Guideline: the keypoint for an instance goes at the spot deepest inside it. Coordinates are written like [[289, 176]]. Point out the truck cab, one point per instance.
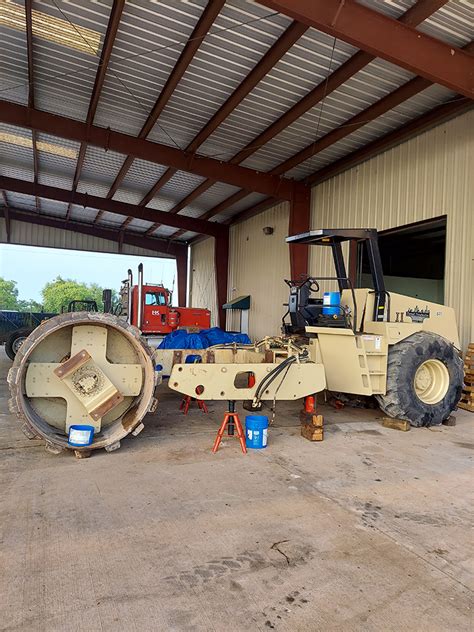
[[156, 305], [149, 308]]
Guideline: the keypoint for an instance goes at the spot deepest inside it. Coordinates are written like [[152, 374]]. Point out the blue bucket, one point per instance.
[[80, 436], [331, 303], [256, 430]]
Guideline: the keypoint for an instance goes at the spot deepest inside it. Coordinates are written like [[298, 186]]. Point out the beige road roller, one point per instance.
[[86, 369], [361, 341]]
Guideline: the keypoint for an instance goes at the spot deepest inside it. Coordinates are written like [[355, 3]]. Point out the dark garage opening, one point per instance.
[[413, 259]]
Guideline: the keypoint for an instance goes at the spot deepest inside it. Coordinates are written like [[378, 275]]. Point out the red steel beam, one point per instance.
[[384, 37], [401, 94], [414, 16], [107, 47], [178, 207], [31, 89], [112, 206], [434, 117], [15, 114], [271, 57], [160, 246], [421, 124], [406, 91], [200, 31]]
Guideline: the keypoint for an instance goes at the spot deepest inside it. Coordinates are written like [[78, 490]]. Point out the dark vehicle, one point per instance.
[[15, 327]]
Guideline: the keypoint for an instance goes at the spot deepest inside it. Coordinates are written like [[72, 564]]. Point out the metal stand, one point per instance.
[[231, 421], [186, 402]]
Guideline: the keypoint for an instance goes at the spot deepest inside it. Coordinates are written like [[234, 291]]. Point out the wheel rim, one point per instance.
[[431, 381], [17, 344]]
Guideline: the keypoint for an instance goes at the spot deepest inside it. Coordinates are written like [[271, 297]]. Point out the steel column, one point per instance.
[[6, 215], [299, 221], [182, 274], [221, 258]]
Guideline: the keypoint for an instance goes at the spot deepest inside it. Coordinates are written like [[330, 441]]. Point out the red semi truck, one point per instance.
[[148, 307]]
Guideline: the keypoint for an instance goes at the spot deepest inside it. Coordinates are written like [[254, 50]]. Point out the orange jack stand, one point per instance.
[[231, 419], [186, 402]]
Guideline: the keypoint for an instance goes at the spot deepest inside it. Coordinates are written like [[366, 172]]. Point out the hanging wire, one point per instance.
[[316, 138], [112, 72], [117, 61]]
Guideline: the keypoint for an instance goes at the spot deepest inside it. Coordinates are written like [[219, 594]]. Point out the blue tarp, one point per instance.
[[180, 339]]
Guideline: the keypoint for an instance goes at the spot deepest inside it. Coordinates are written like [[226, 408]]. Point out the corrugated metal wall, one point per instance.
[[258, 265], [428, 176], [31, 235], [202, 286]]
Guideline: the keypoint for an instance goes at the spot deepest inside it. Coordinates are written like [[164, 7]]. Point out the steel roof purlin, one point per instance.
[[112, 206], [413, 16], [386, 38], [160, 246], [434, 117], [401, 94], [275, 53], [108, 104], [31, 89], [202, 27], [112, 28], [15, 114]]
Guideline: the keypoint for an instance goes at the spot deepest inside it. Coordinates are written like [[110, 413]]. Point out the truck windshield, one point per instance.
[[155, 298]]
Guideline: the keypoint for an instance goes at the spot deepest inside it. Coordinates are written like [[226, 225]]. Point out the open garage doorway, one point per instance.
[[413, 260]]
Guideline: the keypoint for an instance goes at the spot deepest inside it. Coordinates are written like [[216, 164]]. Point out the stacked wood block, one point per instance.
[[313, 429], [467, 397]]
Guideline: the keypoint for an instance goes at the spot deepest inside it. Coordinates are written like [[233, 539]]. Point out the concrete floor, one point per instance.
[[369, 530]]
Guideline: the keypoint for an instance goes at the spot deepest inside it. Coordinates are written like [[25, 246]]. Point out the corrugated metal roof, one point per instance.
[[64, 75], [13, 64], [149, 40]]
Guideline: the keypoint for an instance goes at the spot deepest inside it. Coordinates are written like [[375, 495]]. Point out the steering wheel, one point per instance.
[[312, 284]]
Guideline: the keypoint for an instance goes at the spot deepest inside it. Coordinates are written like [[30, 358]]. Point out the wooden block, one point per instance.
[[396, 424], [312, 433], [466, 406], [82, 454], [317, 421]]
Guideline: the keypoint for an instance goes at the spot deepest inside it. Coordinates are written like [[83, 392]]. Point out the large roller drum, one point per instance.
[[83, 368]]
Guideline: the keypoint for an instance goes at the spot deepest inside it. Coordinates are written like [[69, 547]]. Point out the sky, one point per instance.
[[32, 267]]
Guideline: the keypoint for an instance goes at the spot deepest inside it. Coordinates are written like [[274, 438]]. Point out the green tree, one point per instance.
[[8, 294], [58, 293], [29, 306]]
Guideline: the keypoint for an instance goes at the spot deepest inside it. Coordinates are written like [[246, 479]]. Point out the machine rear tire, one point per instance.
[[14, 341], [424, 380]]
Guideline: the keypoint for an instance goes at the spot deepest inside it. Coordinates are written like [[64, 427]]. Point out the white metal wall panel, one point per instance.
[[258, 265], [31, 235], [428, 176], [203, 278]]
